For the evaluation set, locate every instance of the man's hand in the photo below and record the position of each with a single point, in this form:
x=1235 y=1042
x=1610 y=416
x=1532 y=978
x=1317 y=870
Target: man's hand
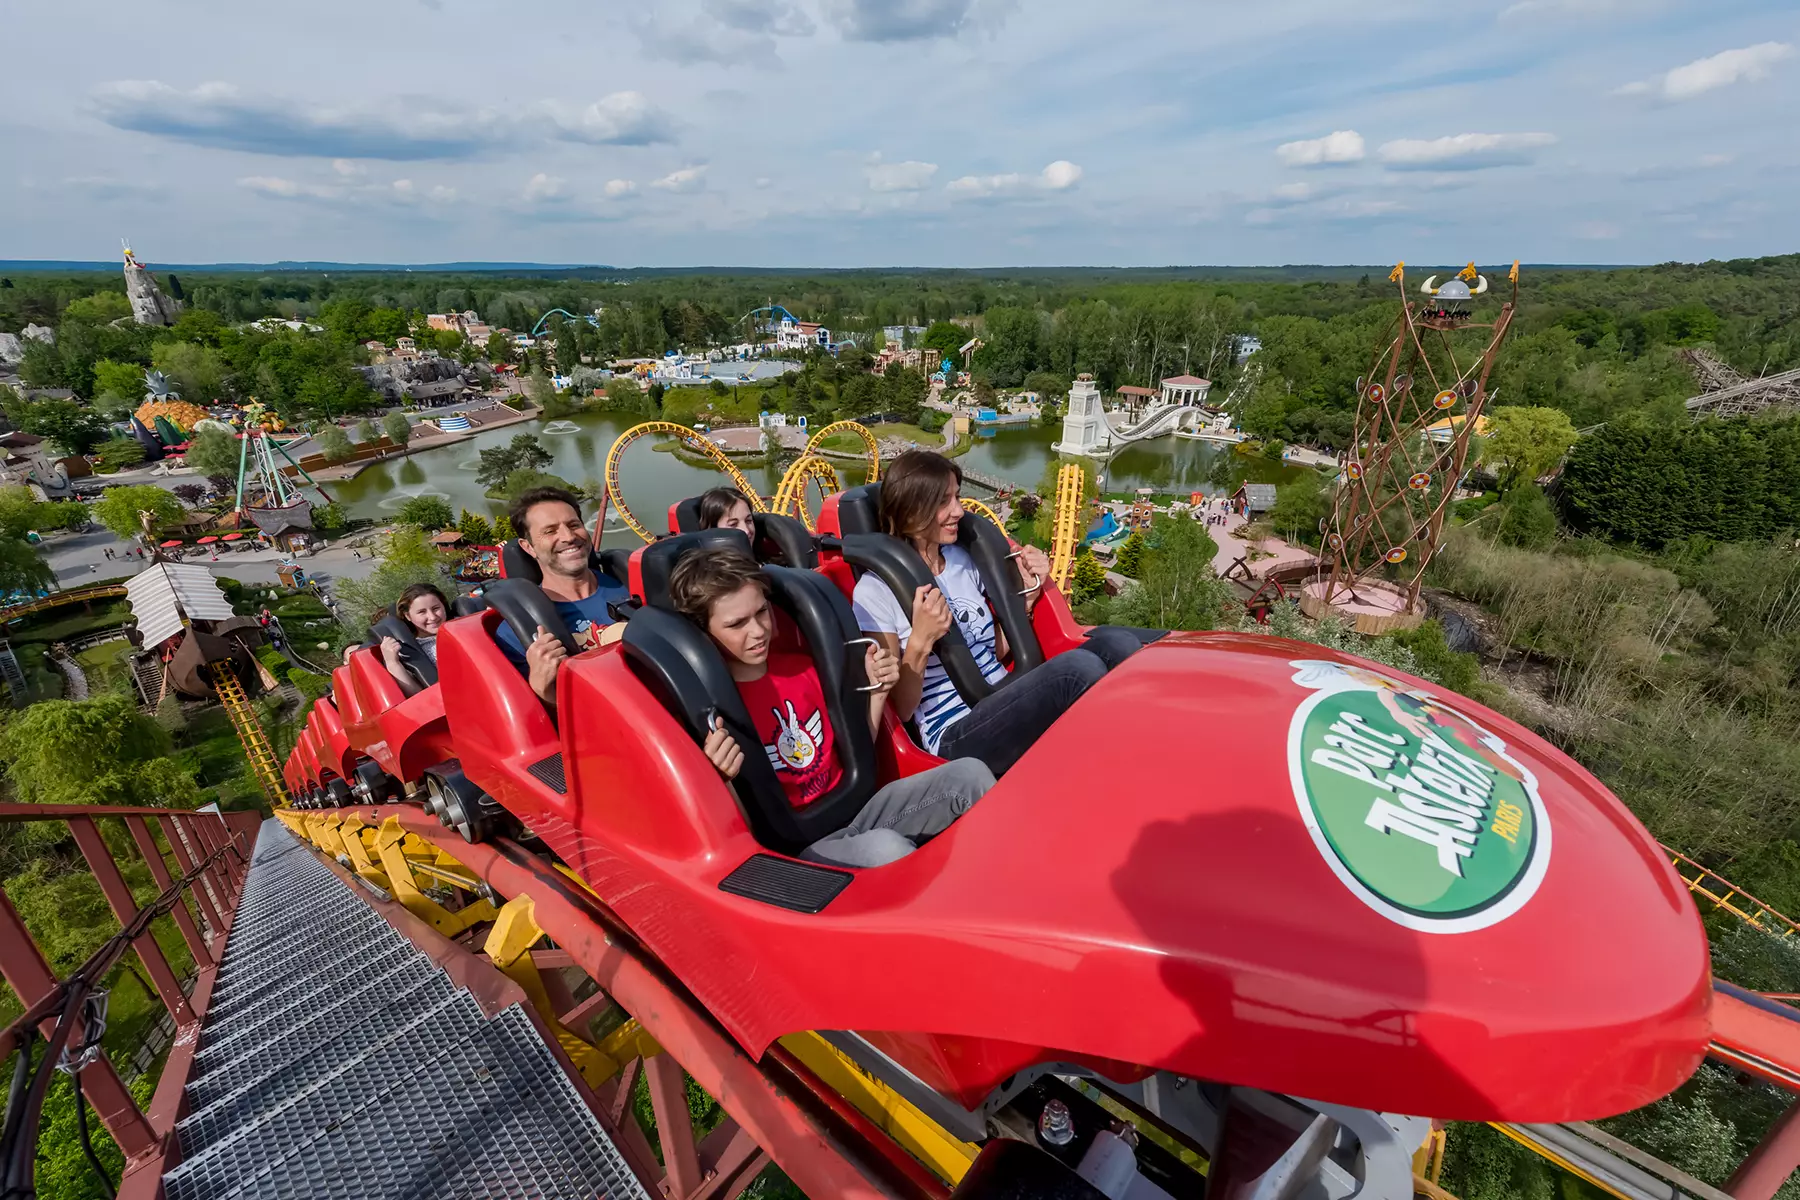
x=931 y=617
x=1033 y=564
x=542 y=657
x=882 y=668
x=723 y=751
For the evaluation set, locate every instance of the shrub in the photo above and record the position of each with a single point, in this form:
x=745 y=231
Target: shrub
x=430 y=513
x=1526 y=518
x=334 y=444
x=397 y=428
x=117 y=454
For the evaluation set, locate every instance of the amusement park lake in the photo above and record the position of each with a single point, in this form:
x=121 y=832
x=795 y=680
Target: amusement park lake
x=653 y=481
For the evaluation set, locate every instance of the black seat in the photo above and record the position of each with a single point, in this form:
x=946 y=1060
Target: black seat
x=656 y=562
x=682 y=667
x=412 y=655
x=899 y=566
x=779 y=539
x=468 y=606
x=516 y=563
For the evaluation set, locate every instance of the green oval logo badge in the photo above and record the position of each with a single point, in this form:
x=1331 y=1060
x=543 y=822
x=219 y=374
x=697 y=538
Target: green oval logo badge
x=1420 y=811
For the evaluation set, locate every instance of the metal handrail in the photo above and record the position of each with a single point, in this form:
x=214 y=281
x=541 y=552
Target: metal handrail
x=213 y=860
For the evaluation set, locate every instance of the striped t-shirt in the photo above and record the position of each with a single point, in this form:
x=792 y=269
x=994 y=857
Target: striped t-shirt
x=878 y=611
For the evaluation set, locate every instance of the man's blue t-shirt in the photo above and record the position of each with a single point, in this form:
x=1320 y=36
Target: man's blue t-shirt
x=585 y=618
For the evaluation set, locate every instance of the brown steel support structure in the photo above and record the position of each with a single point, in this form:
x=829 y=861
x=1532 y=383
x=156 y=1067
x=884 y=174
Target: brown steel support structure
x=1775 y=1158
x=209 y=847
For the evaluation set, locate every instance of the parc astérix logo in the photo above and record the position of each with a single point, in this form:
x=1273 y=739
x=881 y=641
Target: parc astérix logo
x=1420 y=811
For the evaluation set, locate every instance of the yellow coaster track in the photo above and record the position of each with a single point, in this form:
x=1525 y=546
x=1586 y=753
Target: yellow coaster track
x=790 y=497
x=691 y=439
x=250 y=733
x=817 y=441
x=1071 y=483
x=982 y=510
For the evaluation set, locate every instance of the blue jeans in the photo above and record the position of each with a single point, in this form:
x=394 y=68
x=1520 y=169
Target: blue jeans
x=1001 y=728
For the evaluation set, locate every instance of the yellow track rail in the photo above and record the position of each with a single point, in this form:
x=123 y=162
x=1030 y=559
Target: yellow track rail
x=1071 y=483
x=982 y=510
x=105 y=591
x=250 y=733
x=692 y=439
x=868 y=440
x=790 y=497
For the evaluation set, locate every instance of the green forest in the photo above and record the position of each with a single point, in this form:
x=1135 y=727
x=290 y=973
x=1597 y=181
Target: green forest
x=1637 y=603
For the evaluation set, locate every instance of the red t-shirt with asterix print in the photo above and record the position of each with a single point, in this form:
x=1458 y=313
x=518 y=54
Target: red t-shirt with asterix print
x=787 y=706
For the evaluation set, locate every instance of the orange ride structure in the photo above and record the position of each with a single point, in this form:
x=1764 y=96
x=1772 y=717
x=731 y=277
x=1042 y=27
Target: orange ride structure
x=1417 y=409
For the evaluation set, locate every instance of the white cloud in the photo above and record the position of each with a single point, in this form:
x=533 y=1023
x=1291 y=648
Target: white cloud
x=286 y=189
x=909 y=176
x=687 y=179
x=1343 y=146
x=542 y=187
x=778 y=17
x=394 y=128
x=1569 y=9
x=1464 y=151
x=1750 y=64
x=1294 y=192
x=912 y=20
x=621 y=119
x=1058 y=176
x=619 y=187
x=347 y=168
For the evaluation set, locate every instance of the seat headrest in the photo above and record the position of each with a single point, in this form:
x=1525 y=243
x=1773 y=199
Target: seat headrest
x=859 y=509
x=468 y=606
x=652 y=566
x=516 y=562
x=412 y=655
x=684 y=516
x=779 y=538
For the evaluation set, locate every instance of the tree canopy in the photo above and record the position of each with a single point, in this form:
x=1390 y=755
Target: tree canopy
x=118 y=509
x=1525 y=442
x=96 y=751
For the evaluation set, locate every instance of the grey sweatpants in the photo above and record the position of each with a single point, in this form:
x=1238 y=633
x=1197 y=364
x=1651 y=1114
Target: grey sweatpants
x=914 y=807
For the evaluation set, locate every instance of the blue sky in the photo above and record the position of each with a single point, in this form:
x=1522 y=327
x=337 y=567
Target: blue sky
x=837 y=133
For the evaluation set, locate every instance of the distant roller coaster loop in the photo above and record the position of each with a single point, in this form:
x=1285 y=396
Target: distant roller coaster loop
x=545 y=320
x=790 y=497
x=691 y=439
x=817 y=442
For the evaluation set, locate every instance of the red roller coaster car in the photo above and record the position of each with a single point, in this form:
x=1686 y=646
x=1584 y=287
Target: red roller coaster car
x=1235 y=859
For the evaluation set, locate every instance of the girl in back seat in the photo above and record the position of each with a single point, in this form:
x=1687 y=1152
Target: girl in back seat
x=727 y=508
x=423 y=608
x=919 y=505
x=725 y=593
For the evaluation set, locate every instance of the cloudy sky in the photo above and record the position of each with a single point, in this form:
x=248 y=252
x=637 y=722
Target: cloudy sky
x=903 y=132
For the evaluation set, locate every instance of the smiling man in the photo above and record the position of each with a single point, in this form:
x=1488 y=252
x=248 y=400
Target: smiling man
x=548 y=523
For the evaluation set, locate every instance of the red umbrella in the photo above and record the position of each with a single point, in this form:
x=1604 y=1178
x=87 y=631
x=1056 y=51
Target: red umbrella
x=209 y=539
x=171 y=543
x=231 y=537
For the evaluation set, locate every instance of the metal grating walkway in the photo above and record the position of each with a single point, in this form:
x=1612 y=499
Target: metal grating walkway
x=338 y=1061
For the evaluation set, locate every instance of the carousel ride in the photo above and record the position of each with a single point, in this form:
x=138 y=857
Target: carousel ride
x=1317 y=910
